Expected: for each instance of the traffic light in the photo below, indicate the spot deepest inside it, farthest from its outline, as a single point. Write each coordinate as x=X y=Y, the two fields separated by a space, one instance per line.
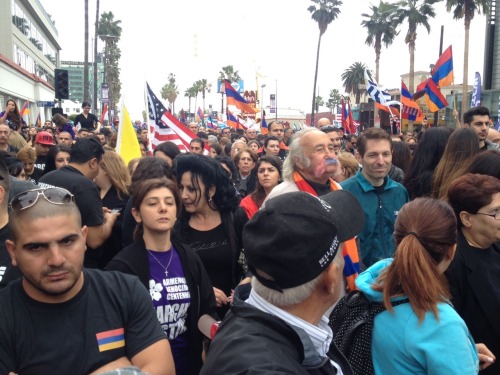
x=61 y=83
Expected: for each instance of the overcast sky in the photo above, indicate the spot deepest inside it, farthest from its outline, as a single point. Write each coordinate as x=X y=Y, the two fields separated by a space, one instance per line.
x=277 y=38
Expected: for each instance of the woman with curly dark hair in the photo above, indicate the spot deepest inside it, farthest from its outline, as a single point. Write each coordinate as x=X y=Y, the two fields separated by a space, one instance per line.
x=207 y=222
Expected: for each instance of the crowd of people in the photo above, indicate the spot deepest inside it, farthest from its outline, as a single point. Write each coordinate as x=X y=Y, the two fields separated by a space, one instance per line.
x=263 y=232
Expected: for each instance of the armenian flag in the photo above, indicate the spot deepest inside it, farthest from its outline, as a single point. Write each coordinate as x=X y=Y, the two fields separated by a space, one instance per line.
x=201 y=116
x=232 y=121
x=435 y=100
x=410 y=111
x=234 y=98
x=263 y=126
x=26 y=109
x=112 y=339
x=442 y=73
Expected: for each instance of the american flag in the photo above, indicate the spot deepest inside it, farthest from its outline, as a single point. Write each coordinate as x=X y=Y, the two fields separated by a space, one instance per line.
x=165 y=127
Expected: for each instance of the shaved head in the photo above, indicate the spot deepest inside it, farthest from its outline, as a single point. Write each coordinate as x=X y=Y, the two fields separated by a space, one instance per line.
x=19 y=220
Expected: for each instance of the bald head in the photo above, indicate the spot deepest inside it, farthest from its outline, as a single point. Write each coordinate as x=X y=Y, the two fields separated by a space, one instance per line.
x=493 y=136
x=323 y=122
x=19 y=220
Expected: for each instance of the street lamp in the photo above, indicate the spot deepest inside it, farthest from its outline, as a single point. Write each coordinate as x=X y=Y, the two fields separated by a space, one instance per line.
x=106 y=59
x=262 y=102
x=275 y=94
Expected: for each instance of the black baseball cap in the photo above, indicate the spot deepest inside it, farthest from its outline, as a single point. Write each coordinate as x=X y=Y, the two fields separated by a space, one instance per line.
x=296 y=236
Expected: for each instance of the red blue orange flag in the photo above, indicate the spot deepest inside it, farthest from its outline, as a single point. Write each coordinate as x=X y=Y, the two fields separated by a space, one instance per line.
x=442 y=73
x=38 y=121
x=233 y=97
x=232 y=121
x=410 y=111
x=263 y=126
x=111 y=339
x=347 y=119
x=435 y=100
x=200 y=115
x=26 y=109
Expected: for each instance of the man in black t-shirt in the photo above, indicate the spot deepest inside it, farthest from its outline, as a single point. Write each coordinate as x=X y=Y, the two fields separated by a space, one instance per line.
x=43 y=142
x=77 y=177
x=60 y=318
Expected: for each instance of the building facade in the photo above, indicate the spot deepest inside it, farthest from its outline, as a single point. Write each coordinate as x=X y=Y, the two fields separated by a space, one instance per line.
x=29 y=53
x=75 y=77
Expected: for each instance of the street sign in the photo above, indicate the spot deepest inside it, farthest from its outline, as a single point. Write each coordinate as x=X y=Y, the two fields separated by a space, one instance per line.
x=45 y=104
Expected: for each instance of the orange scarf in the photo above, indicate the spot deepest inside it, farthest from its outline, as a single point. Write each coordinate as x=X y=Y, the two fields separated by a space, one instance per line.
x=350 y=249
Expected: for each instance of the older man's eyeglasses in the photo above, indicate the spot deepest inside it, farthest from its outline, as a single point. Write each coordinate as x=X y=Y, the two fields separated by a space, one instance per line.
x=496 y=215
x=53 y=195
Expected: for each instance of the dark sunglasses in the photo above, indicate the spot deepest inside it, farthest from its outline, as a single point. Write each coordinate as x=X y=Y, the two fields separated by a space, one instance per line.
x=53 y=195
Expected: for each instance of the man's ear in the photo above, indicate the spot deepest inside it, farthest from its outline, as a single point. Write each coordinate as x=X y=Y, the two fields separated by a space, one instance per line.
x=11 y=248
x=93 y=163
x=465 y=218
x=297 y=162
x=332 y=277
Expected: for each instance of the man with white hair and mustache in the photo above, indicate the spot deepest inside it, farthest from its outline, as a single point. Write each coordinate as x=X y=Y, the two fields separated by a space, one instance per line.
x=309 y=167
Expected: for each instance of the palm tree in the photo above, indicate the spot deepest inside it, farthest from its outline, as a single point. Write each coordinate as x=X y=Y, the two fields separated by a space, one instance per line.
x=86 y=54
x=95 y=55
x=110 y=32
x=204 y=87
x=191 y=93
x=333 y=100
x=381 y=26
x=231 y=75
x=108 y=26
x=170 y=91
x=197 y=87
x=352 y=78
x=319 y=102
x=418 y=12
x=323 y=12
x=466 y=9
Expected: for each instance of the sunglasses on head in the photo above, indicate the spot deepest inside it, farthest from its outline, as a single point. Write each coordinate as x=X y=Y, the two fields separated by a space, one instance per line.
x=28 y=198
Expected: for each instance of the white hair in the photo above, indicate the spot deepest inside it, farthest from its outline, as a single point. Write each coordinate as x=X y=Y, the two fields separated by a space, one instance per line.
x=296 y=154
x=297 y=294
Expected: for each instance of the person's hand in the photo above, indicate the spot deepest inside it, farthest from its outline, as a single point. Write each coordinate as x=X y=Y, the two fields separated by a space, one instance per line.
x=220 y=297
x=486 y=357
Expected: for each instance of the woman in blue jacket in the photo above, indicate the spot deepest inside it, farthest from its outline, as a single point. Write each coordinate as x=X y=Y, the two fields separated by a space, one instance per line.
x=425 y=335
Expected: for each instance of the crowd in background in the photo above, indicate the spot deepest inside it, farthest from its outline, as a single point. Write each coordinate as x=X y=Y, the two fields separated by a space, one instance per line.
x=208 y=195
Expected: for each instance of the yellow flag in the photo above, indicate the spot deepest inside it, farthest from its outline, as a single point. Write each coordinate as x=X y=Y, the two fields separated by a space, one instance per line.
x=127 y=145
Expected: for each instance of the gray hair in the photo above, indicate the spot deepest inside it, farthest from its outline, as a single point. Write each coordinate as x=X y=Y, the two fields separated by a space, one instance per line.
x=295 y=295
x=296 y=154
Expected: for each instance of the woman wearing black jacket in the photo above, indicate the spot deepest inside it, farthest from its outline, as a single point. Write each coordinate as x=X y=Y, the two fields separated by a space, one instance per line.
x=180 y=289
